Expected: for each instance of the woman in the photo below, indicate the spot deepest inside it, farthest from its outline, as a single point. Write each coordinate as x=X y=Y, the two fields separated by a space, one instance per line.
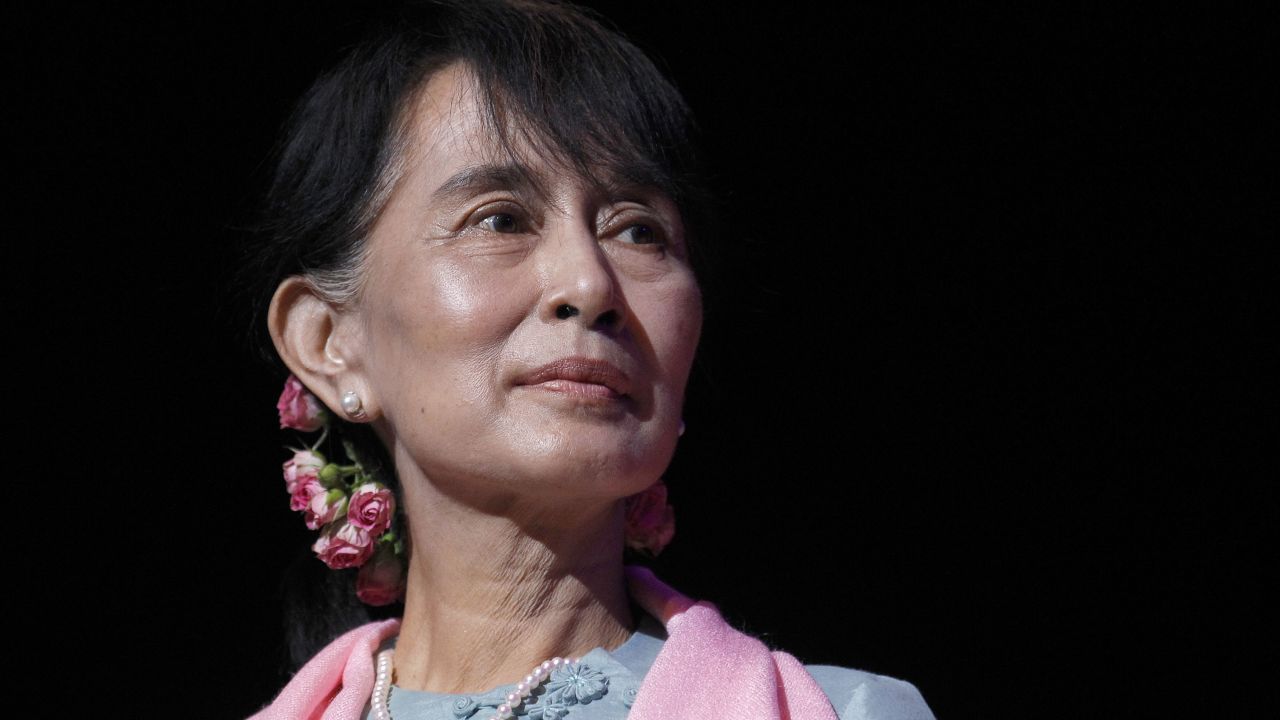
x=483 y=225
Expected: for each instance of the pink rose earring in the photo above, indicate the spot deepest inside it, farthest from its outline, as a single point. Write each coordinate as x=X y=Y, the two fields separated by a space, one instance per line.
x=351 y=405
x=650 y=520
x=355 y=514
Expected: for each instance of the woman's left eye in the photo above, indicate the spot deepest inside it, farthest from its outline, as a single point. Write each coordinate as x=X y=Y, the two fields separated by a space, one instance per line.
x=641 y=234
x=500 y=222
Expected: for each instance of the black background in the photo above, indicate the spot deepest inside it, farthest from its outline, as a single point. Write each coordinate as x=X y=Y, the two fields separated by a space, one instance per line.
x=980 y=400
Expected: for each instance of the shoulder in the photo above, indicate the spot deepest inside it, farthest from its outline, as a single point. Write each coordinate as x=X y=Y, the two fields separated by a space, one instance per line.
x=858 y=695
x=336 y=681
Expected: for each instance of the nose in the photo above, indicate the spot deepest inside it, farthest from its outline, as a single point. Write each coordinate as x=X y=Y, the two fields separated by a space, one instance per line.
x=581 y=285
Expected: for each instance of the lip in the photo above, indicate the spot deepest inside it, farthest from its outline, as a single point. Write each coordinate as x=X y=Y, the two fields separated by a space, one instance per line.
x=587 y=377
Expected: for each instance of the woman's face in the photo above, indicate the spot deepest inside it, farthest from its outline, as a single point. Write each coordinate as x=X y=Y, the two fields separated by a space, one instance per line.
x=523 y=333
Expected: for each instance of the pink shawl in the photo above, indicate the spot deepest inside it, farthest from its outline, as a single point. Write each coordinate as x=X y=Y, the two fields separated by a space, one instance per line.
x=702 y=663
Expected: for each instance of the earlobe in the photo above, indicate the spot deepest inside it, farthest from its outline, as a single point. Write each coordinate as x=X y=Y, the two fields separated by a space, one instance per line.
x=312 y=337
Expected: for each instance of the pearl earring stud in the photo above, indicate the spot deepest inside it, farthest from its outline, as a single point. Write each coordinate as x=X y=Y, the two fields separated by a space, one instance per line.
x=352 y=405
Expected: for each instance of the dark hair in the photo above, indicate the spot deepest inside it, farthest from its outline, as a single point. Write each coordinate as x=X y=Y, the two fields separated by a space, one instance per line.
x=551 y=77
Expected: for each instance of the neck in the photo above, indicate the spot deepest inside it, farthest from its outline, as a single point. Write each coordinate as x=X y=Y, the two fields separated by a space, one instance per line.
x=491 y=594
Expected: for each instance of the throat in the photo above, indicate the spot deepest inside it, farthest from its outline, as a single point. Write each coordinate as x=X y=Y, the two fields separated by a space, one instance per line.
x=473 y=646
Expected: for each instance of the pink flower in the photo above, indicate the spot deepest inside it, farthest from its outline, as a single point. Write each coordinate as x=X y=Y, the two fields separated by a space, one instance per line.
x=651 y=522
x=303 y=491
x=346 y=547
x=381 y=582
x=325 y=507
x=372 y=507
x=299 y=409
x=304 y=465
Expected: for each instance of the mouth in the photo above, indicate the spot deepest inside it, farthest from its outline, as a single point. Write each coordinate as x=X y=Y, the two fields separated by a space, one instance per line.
x=579 y=377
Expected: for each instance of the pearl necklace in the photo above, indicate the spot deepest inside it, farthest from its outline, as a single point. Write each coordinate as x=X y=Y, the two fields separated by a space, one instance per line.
x=381 y=700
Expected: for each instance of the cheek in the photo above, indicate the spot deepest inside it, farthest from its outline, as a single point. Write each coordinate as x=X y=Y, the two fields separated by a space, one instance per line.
x=680 y=326
x=443 y=324
x=443 y=301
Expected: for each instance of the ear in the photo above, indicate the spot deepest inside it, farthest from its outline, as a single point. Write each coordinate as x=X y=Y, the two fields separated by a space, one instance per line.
x=322 y=344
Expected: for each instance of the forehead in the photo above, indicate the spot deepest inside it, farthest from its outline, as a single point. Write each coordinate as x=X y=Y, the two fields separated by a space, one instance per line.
x=444 y=128
x=449 y=128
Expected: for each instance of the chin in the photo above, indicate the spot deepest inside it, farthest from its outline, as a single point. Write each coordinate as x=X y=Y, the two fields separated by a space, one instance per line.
x=577 y=467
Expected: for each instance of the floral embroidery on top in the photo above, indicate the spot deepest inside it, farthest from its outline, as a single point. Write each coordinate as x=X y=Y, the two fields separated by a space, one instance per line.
x=465 y=707
x=549 y=710
x=629 y=695
x=577 y=683
x=568 y=685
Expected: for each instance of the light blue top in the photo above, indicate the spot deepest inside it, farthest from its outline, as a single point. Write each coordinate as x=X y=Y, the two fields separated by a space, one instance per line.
x=603 y=684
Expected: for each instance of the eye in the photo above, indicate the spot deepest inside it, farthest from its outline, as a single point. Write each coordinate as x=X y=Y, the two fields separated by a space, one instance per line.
x=641 y=234
x=500 y=223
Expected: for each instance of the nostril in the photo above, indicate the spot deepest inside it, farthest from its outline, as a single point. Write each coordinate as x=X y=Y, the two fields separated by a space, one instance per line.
x=608 y=318
x=566 y=311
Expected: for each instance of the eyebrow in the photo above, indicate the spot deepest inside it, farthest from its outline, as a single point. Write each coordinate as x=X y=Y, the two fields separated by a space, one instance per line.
x=477 y=179
x=484 y=178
